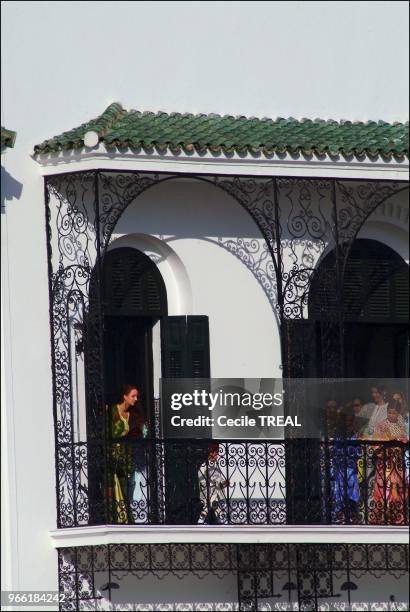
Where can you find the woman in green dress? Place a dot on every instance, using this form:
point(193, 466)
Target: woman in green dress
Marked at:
point(120, 455)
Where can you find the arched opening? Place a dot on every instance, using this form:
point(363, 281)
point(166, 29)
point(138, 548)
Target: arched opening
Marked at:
point(127, 299)
point(357, 328)
point(373, 306)
point(134, 299)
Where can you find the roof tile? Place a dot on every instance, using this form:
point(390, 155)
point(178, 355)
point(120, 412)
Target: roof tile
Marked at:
point(215, 133)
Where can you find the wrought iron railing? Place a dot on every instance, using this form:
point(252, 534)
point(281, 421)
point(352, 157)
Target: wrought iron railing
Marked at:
point(302, 576)
point(232, 482)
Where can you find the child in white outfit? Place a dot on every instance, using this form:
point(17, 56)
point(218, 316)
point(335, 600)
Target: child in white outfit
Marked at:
point(211, 486)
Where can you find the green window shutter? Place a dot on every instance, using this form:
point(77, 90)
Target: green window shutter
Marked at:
point(185, 354)
point(173, 340)
point(198, 362)
point(185, 347)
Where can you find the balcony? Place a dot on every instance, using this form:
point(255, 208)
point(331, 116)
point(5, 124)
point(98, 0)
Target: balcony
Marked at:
point(232, 483)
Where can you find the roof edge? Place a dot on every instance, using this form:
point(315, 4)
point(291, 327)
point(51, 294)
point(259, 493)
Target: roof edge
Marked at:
point(378, 138)
point(8, 138)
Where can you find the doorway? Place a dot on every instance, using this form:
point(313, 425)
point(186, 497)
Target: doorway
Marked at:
point(359, 330)
point(373, 308)
point(129, 299)
point(134, 300)
point(128, 360)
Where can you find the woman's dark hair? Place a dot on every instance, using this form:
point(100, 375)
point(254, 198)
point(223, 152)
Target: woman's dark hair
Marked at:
point(393, 405)
point(346, 412)
point(126, 390)
point(380, 389)
point(344, 415)
point(213, 447)
point(403, 399)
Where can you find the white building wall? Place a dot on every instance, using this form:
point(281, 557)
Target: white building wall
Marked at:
point(27, 418)
point(9, 540)
point(170, 592)
point(302, 59)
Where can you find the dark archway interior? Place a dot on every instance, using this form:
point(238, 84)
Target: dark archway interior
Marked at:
point(134, 299)
point(356, 329)
point(126, 301)
point(374, 306)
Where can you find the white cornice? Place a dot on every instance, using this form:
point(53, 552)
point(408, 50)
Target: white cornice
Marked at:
point(228, 534)
point(235, 165)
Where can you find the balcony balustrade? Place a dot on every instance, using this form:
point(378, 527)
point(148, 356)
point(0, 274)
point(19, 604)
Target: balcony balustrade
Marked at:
point(232, 482)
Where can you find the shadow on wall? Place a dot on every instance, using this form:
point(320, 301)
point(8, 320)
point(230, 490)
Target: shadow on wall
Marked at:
point(252, 253)
point(188, 208)
point(10, 188)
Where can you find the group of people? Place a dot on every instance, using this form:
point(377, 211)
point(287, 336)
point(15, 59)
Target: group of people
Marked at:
point(368, 479)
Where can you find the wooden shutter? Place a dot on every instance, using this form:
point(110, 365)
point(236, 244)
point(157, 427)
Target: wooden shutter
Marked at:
point(303, 359)
point(173, 340)
point(185, 354)
point(197, 335)
point(369, 288)
point(133, 285)
point(401, 294)
point(375, 286)
point(185, 347)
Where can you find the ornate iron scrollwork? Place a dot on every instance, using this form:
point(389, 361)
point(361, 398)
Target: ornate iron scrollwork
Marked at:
point(300, 221)
point(90, 574)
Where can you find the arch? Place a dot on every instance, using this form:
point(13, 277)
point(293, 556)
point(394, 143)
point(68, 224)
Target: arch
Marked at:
point(232, 188)
point(393, 210)
point(226, 273)
point(361, 324)
point(169, 265)
point(132, 285)
point(127, 297)
point(384, 201)
point(396, 238)
point(389, 224)
point(374, 286)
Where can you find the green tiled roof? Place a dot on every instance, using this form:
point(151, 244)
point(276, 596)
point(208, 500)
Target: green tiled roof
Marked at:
point(177, 132)
point(7, 138)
